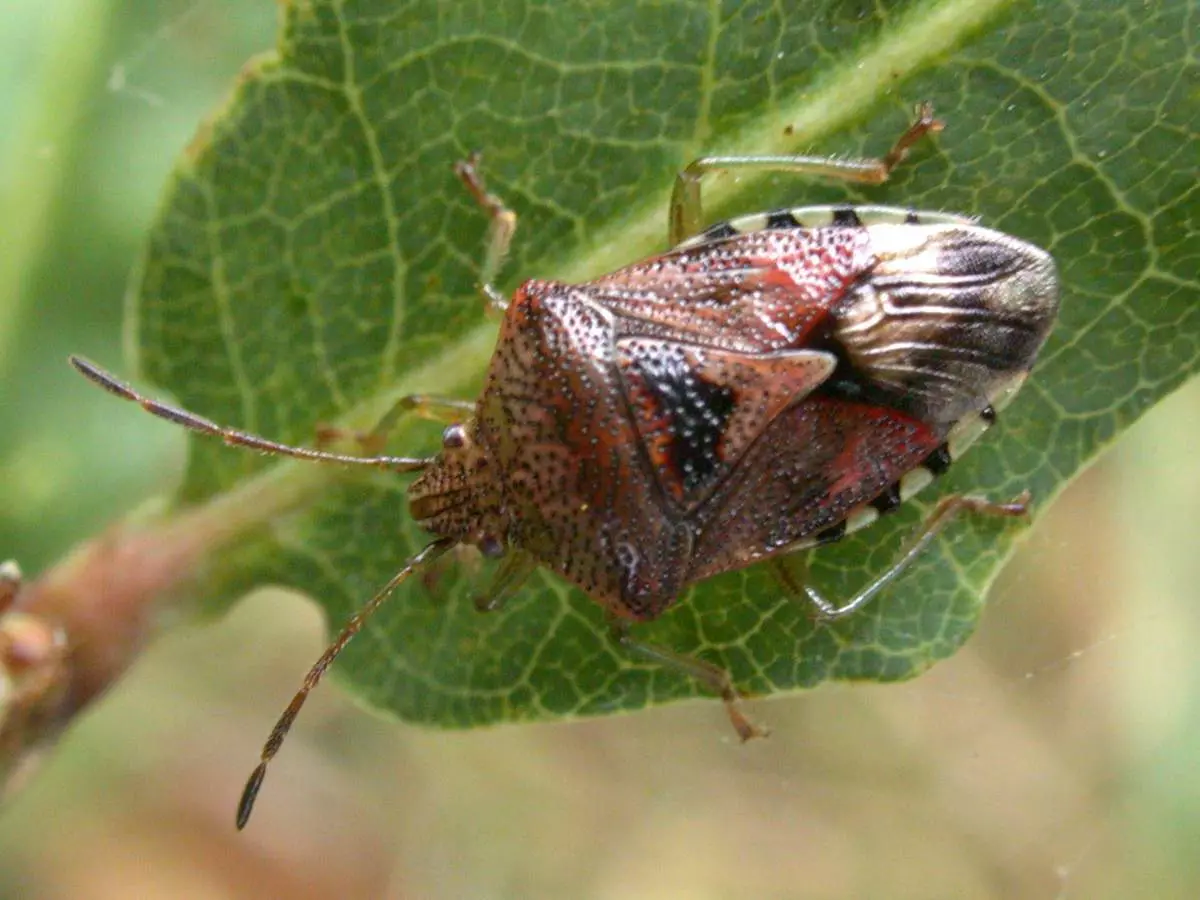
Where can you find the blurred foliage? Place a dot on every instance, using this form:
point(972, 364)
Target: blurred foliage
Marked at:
point(1054, 757)
point(80, 181)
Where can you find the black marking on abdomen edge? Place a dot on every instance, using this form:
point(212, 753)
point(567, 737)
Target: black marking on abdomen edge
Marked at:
point(938, 461)
point(782, 218)
point(831, 534)
point(846, 217)
point(718, 231)
point(888, 500)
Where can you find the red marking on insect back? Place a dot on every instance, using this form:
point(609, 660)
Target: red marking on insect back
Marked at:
point(817, 461)
point(881, 446)
point(750, 292)
point(698, 409)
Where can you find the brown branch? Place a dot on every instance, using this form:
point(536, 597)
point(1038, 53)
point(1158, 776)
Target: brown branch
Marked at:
point(68, 635)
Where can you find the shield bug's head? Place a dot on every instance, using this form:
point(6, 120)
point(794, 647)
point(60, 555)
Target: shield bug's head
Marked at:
point(952, 315)
point(456, 497)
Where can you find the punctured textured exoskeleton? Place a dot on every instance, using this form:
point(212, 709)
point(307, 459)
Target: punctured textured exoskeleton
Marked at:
point(770, 384)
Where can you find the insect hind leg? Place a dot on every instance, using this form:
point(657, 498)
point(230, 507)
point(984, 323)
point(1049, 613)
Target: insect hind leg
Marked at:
point(686, 214)
point(949, 508)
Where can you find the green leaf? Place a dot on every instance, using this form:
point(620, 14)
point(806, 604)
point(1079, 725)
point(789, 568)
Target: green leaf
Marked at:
point(315, 259)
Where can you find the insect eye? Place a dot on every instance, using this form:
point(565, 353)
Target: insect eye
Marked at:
point(491, 546)
point(454, 437)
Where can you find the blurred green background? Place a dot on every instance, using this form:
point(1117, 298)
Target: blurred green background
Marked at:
point(1055, 756)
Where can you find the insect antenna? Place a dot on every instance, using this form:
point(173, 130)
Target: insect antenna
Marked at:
point(280, 731)
point(232, 436)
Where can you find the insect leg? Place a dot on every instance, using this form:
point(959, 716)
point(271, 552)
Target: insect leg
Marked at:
point(284, 725)
point(440, 409)
point(501, 228)
point(791, 572)
point(712, 677)
point(232, 436)
point(517, 566)
point(946, 510)
point(686, 214)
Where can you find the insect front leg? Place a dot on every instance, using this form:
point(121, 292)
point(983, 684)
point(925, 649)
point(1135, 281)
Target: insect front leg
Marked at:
point(513, 572)
point(712, 677)
point(686, 214)
point(945, 512)
point(439, 409)
point(502, 226)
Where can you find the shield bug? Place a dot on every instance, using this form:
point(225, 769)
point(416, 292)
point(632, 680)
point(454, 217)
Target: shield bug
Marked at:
point(768, 385)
